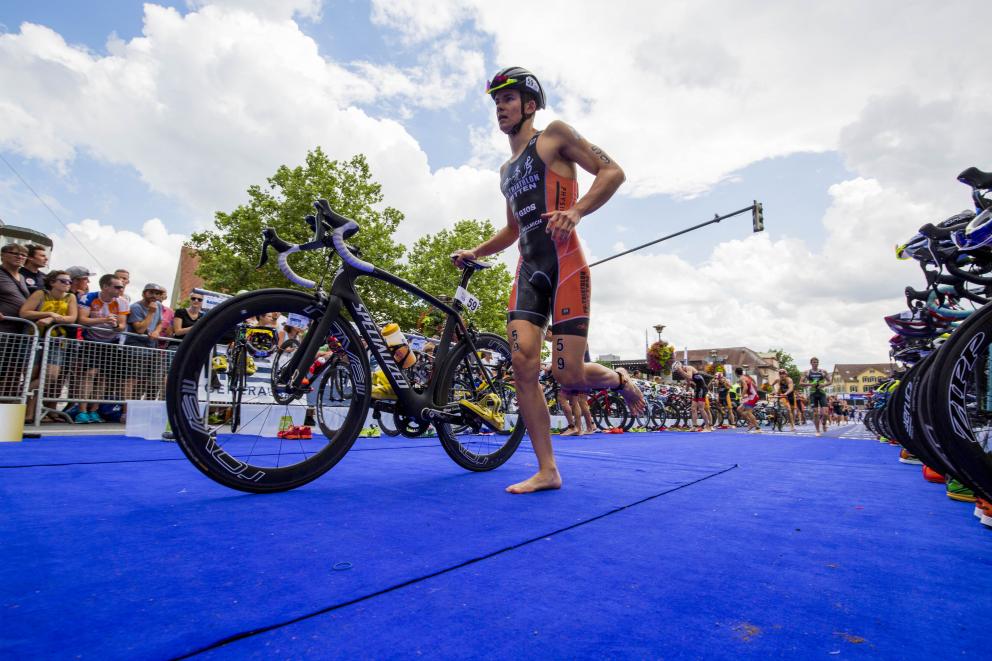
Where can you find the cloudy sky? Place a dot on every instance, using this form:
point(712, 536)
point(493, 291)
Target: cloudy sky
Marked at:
point(848, 119)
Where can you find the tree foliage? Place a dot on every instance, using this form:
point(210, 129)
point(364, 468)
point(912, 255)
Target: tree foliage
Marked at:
point(786, 362)
point(430, 268)
point(229, 253)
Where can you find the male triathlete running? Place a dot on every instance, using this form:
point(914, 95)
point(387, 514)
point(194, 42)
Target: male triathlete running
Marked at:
point(749, 398)
point(552, 281)
point(700, 390)
point(815, 379)
point(787, 393)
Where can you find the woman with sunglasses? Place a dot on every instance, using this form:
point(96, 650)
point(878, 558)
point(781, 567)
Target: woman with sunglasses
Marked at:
point(187, 317)
point(48, 308)
point(543, 208)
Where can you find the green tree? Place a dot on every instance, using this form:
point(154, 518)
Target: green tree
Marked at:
point(430, 268)
point(229, 253)
point(786, 362)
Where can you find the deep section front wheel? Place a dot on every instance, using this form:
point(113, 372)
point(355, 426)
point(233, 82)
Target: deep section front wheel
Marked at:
point(271, 448)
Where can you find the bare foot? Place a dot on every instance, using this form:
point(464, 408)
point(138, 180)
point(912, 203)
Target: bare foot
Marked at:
point(588, 431)
point(541, 481)
point(571, 431)
point(631, 394)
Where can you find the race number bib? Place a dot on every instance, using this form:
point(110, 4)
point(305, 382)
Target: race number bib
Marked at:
point(466, 299)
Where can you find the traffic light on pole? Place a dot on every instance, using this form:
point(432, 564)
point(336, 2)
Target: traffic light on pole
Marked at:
point(757, 217)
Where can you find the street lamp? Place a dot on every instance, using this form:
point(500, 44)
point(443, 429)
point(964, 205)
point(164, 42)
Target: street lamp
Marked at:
point(658, 329)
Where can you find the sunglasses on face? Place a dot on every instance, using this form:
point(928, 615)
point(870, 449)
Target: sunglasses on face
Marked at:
point(16, 254)
point(195, 300)
point(64, 281)
point(499, 82)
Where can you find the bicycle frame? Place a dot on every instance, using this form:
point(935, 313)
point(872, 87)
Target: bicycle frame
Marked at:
point(343, 295)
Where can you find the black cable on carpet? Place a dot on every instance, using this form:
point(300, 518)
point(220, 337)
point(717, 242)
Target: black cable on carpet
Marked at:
point(254, 632)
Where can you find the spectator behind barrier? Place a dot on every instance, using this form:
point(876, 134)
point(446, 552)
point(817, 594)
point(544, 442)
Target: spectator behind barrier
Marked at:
point(104, 315)
point(145, 317)
point(186, 318)
point(47, 308)
point(37, 259)
point(80, 281)
point(145, 320)
point(125, 278)
point(52, 305)
point(168, 315)
point(13, 289)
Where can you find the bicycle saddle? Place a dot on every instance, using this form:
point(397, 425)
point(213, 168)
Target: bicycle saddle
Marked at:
point(478, 266)
point(976, 178)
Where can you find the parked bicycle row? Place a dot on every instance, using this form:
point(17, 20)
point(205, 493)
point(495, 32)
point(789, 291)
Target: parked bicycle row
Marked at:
point(939, 408)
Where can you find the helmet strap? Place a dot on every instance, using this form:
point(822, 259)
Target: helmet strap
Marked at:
point(523, 117)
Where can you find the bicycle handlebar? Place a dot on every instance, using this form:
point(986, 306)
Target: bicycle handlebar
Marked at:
point(341, 228)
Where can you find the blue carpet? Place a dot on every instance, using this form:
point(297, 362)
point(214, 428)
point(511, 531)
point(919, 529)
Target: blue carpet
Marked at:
point(658, 547)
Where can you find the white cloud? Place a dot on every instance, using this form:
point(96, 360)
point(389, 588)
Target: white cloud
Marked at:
point(205, 104)
point(270, 9)
point(691, 92)
point(698, 90)
point(151, 255)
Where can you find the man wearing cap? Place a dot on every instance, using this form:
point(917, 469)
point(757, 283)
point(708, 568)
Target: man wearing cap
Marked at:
point(80, 282)
point(145, 317)
point(144, 323)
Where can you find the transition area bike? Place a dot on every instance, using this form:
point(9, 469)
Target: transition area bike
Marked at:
point(464, 395)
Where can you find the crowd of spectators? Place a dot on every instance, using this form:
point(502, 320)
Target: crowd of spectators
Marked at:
point(117, 349)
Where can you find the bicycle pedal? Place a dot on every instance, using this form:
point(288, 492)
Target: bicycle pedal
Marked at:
point(487, 409)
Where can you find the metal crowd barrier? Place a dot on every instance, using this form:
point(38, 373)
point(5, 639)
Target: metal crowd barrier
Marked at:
point(17, 358)
point(83, 371)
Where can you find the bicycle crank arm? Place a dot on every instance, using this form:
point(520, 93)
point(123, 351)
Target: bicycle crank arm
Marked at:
point(447, 414)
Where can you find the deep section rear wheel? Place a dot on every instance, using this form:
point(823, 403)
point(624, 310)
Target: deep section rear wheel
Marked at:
point(270, 449)
point(474, 446)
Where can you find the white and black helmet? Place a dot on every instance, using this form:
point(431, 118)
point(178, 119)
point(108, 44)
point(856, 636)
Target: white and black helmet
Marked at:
point(518, 78)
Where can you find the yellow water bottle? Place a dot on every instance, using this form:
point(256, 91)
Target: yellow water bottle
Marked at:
point(396, 341)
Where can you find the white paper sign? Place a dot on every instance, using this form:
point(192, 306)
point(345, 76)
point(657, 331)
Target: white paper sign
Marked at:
point(466, 299)
point(298, 321)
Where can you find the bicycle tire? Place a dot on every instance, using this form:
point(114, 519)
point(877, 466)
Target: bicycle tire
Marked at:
point(388, 428)
point(237, 381)
point(206, 450)
point(464, 446)
point(962, 369)
point(613, 414)
point(282, 354)
point(914, 404)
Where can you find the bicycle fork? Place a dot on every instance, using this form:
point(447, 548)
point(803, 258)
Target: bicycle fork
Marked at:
point(311, 345)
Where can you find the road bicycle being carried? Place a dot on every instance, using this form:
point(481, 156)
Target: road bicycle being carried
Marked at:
point(462, 396)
